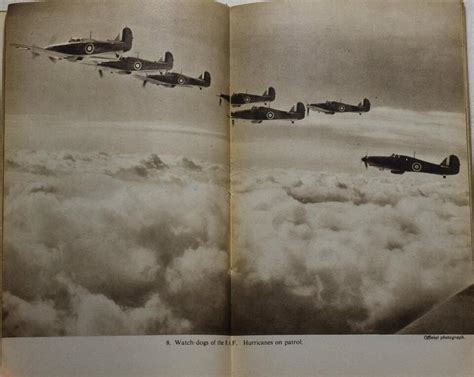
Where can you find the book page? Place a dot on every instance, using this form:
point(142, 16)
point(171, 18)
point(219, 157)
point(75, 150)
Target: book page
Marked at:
point(116, 189)
point(350, 181)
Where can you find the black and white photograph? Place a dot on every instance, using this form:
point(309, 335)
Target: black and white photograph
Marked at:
point(351, 217)
point(271, 169)
point(116, 169)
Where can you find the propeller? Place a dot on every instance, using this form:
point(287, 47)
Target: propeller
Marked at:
point(364, 160)
point(220, 100)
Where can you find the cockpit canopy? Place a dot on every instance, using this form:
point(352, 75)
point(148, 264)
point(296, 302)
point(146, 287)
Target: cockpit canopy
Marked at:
point(74, 40)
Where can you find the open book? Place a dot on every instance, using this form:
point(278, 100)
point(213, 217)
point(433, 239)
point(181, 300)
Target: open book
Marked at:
point(230, 186)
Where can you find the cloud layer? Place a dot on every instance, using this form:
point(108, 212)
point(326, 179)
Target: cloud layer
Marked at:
point(103, 244)
point(137, 244)
point(356, 253)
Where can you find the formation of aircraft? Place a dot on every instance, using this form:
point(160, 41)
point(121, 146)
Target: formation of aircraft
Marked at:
point(261, 113)
point(77, 49)
point(333, 107)
point(258, 114)
point(173, 79)
point(399, 164)
point(106, 56)
point(239, 99)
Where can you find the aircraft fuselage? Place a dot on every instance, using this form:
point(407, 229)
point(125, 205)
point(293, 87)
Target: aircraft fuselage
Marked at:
point(129, 64)
point(239, 99)
point(333, 107)
point(88, 47)
point(399, 164)
point(259, 114)
point(172, 79)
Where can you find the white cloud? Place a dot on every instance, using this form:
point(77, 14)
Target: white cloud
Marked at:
point(319, 253)
point(108, 241)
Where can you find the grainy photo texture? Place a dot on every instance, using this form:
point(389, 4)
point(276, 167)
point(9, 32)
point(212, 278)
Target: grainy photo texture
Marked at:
point(117, 179)
point(350, 185)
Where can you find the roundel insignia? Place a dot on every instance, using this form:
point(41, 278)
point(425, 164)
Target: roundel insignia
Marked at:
point(247, 99)
point(416, 166)
point(137, 65)
point(270, 115)
point(89, 48)
point(181, 80)
point(342, 108)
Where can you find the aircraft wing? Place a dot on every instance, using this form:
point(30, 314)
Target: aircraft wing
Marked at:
point(41, 51)
point(154, 81)
point(96, 63)
point(322, 110)
point(54, 55)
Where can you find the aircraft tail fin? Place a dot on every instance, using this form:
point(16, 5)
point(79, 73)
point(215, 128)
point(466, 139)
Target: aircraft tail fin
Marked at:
point(270, 93)
point(300, 110)
point(168, 59)
point(206, 76)
point(365, 105)
point(127, 39)
point(452, 163)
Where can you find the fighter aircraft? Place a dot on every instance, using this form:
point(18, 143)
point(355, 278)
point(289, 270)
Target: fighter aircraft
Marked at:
point(261, 113)
point(173, 79)
point(399, 164)
point(332, 107)
point(77, 49)
point(127, 65)
point(239, 99)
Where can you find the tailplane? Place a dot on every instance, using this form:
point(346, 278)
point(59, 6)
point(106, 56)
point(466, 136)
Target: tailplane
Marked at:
point(300, 110)
point(168, 59)
point(206, 77)
point(127, 39)
point(365, 105)
point(270, 93)
point(452, 163)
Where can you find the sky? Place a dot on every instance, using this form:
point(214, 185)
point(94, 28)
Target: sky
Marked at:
point(196, 34)
point(398, 54)
point(405, 57)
